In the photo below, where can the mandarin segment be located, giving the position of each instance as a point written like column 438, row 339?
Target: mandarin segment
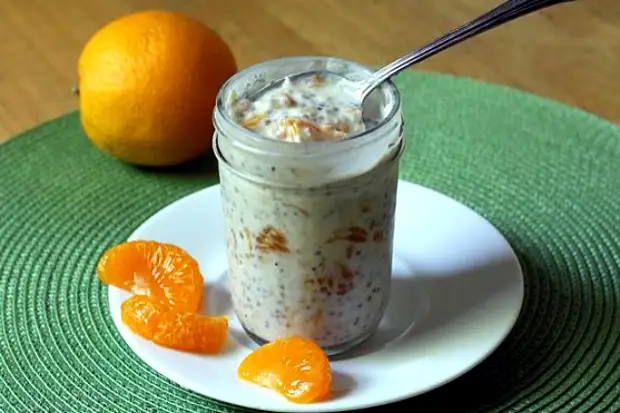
column 271, row 239
column 169, row 328
column 295, row 367
column 165, row 272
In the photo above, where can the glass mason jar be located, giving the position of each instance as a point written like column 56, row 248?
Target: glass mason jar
column 309, row 226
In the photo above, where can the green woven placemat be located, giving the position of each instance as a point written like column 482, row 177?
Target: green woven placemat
column 546, row 175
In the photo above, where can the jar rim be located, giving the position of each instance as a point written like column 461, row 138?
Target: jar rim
column 222, row 112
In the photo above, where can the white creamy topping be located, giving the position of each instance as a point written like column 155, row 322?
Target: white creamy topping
column 312, row 108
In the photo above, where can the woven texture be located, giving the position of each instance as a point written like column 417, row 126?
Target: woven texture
column 546, row 175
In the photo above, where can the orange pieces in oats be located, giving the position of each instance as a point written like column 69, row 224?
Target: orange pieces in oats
column 170, row 328
column 318, row 80
column 272, row 240
column 295, row 367
column 164, row 272
column 352, row 234
column 254, row 121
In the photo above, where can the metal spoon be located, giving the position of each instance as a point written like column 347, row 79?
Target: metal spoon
column 507, row 11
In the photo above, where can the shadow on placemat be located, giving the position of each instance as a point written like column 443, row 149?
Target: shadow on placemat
column 204, row 167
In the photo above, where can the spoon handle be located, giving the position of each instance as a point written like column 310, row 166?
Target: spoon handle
column 505, row 12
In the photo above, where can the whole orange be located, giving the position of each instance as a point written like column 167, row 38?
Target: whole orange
column 147, row 86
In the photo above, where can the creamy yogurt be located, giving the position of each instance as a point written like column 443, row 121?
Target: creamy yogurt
column 309, row 257
column 310, row 108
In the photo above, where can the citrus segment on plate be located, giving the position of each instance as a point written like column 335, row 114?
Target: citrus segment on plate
column 295, row 367
column 164, row 272
column 167, row 327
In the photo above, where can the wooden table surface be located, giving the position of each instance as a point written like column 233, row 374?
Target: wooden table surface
column 570, row 52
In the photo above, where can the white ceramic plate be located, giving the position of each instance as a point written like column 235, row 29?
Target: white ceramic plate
column 457, row 292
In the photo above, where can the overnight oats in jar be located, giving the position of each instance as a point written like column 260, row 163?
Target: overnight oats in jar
column 308, row 183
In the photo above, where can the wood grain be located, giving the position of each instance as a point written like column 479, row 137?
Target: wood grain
column 570, row 53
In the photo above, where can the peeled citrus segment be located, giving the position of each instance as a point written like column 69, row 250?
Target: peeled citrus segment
column 294, row 367
column 164, row 272
column 173, row 329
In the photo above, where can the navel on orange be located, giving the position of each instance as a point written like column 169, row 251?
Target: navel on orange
column 164, row 272
column 147, row 87
column 173, row 329
column 295, row 367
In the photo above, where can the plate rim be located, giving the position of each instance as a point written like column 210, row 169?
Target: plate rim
column 126, row 334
